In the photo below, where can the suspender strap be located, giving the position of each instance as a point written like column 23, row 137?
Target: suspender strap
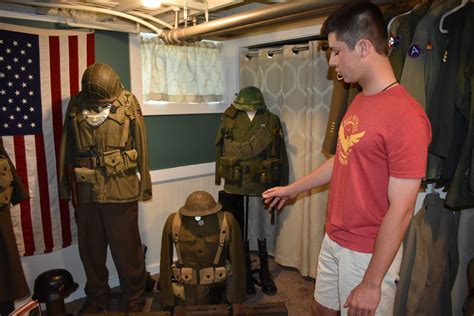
column 175, row 232
column 223, row 236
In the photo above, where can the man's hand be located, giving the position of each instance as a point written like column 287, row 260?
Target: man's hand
column 363, row 300
column 277, row 196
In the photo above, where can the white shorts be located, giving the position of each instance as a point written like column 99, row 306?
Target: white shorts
column 340, row 270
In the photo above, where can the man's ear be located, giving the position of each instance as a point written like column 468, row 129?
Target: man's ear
column 365, row 46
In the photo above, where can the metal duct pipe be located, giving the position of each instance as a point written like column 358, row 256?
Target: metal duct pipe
column 265, row 15
column 293, row 17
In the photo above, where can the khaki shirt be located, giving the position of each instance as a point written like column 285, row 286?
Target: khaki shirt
column 121, row 145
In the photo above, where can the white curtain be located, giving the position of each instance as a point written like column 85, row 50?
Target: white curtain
column 296, row 88
column 182, row 73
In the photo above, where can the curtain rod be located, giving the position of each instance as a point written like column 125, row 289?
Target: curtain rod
column 271, row 52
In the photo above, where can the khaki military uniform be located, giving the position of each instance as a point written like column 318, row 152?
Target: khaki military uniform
column 196, row 278
column 251, row 154
column 12, row 279
column 99, row 165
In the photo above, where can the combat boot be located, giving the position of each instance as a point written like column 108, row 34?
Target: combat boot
column 248, row 266
column 266, row 278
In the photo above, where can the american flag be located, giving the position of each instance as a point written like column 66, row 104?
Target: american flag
column 39, row 71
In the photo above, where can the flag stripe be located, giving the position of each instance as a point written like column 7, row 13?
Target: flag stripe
column 90, row 49
column 43, row 192
column 25, row 208
column 73, row 65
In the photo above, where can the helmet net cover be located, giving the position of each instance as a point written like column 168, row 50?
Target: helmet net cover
column 100, row 83
column 250, row 99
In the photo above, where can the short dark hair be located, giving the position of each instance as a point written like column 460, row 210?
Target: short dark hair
column 358, row 20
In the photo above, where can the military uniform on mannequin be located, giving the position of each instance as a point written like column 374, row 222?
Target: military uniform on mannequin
column 251, row 157
column 209, row 247
column 251, row 153
column 103, row 147
column 12, row 279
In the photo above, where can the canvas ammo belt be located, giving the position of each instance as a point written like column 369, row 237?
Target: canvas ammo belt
column 205, row 276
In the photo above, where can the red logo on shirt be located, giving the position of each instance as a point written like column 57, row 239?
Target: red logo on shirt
column 348, row 136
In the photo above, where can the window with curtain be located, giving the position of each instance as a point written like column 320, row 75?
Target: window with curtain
column 185, row 73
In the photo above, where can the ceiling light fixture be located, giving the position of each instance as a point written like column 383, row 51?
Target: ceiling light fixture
column 151, row 4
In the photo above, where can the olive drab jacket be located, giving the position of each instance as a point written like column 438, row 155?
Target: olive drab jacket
column 12, row 279
column 197, row 241
column 99, row 164
column 250, row 154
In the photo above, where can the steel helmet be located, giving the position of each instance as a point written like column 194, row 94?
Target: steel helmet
column 200, row 203
column 101, row 84
column 54, row 285
column 250, row 99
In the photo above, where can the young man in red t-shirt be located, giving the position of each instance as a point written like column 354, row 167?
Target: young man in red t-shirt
column 375, row 174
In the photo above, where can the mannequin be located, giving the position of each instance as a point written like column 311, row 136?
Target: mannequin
column 251, row 157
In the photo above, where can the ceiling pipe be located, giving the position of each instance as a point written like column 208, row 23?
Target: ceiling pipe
column 293, row 17
column 267, row 15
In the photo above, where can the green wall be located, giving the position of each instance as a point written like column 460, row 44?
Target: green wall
column 112, row 48
column 180, row 140
column 173, row 140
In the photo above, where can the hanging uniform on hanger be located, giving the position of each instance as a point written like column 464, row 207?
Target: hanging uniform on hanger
column 342, row 96
column 251, row 154
column 425, row 53
column 451, row 95
column 400, row 33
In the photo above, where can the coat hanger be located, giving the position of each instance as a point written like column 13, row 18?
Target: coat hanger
column 441, row 29
column 396, row 17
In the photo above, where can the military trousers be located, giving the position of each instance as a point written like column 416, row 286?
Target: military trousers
column 116, row 225
column 12, row 279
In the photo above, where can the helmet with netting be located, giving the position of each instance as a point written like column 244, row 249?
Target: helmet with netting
column 250, row 99
column 101, row 84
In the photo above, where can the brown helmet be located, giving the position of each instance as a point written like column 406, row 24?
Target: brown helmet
column 200, row 203
column 101, row 84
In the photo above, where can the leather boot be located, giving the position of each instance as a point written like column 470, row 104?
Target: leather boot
column 248, row 266
column 266, row 278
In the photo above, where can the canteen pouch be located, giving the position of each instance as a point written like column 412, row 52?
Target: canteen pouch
column 6, row 175
column 6, row 179
column 220, row 274
column 130, row 159
column 86, row 175
column 188, row 276
column 178, row 290
column 113, row 162
column 230, row 169
column 270, row 171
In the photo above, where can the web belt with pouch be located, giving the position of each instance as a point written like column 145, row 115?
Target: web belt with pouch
column 6, row 180
column 112, row 162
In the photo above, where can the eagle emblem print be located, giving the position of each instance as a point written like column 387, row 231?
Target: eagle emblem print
column 348, row 137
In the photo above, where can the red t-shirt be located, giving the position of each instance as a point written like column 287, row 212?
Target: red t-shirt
column 381, row 135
